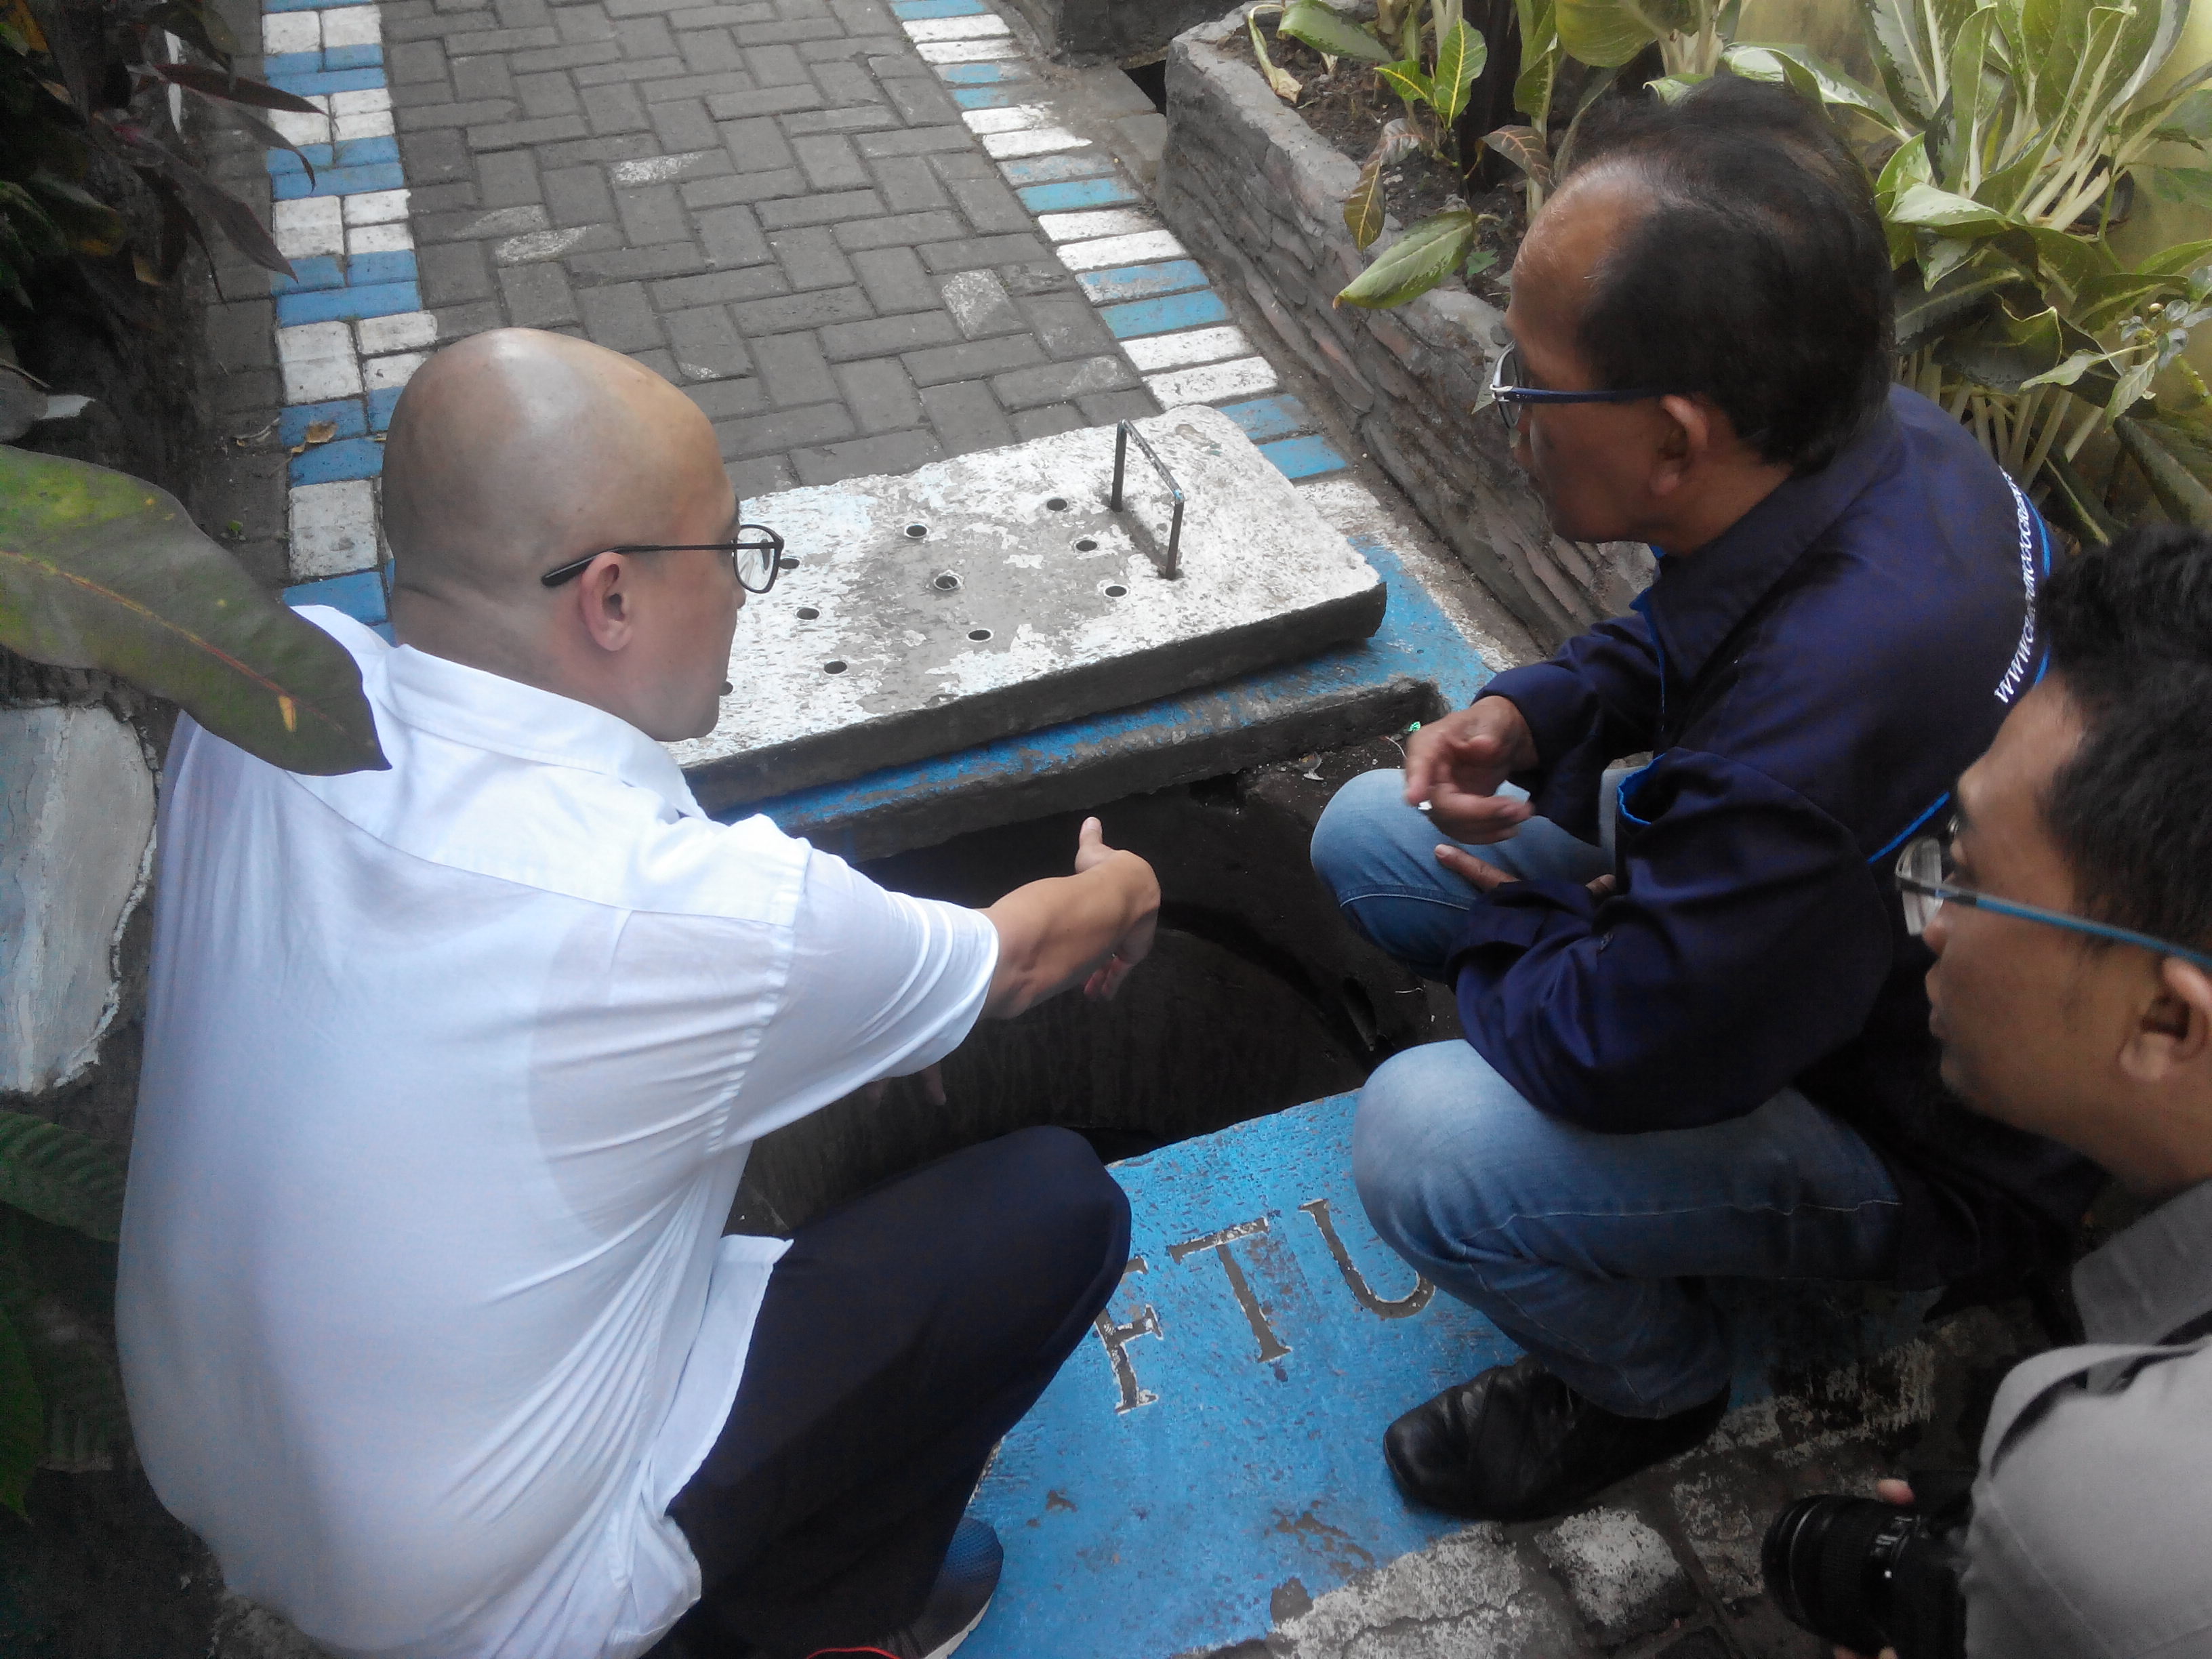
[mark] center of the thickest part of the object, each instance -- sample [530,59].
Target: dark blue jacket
[1812,682]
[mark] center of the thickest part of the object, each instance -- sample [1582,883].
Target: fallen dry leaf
[321,432]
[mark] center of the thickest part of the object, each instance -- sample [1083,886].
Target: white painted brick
[361,102]
[1013,118]
[301,128]
[956,28]
[395,237]
[410,331]
[1200,345]
[370,124]
[333,529]
[1121,250]
[319,362]
[967,52]
[381,373]
[353,26]
[308,225]
[1103,222]
[1213,382]
[1039,141]
[291,31]
[375,207]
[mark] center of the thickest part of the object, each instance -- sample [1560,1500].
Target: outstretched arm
[1088,929]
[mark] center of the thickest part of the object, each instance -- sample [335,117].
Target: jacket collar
[468,706]
[1699,597]
[2156,1277]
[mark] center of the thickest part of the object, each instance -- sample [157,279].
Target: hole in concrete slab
[916,532]
[1056,504]
[833,667]
[1151,80]
[807,613]
[944,581]
[1088,545]
[1115,590]
[978,633]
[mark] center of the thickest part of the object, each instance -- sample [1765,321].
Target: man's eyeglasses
[1507,393]
[758,558]
[1924,884]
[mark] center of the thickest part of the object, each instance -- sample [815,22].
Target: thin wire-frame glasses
[1507,394]
[758,561]
[1924,886]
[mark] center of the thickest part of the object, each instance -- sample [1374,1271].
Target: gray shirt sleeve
[2092,1532]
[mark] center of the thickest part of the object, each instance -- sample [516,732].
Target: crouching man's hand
[1088,929]
[1453,767]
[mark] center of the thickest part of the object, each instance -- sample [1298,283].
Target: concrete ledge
[1245,182]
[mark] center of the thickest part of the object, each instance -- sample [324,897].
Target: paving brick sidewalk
[776,203]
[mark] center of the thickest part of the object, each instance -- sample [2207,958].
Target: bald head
[516,451]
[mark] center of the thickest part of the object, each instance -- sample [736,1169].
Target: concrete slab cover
[1218,1437]
[76,829]
[997,594]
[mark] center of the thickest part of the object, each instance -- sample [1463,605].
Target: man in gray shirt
[2070,910]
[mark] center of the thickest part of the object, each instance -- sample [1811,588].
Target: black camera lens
[1827,1563]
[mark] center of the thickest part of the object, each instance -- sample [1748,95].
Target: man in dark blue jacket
[1696,1040]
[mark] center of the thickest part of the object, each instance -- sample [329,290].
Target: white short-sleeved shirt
[450,1074]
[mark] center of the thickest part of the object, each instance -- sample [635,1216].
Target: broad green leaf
[1974,95]
[2073,261]
[1525,149]
[1330,30]
[1362,209]
[2191,187]
[23,1419]
[1414,263]
[1831,87]
[99,569]
[2108,299]
[1906,166]
[1924,314]
[1673,88]
[1604,33]
[1541,52]
[2003,352]
[60,1176]
[2189,120]
[1924,207]
[2180,468]
[1897,39]
[2133,386]
[1407,80]
[1461,55]
[2178,260]
[2068,372]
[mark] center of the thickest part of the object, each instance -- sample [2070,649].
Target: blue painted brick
[342,458]
[366,152]
[344,413]
[1304,458]
[342,181]
[364,270]
[991,97]
[376,299]
[367,55]
[380,405]
[912,11]
[1042,169]
[1110,191]
[1141,281]
[1270,417]
[360,595]
[282,162]
[351,80]
[982,74]
[290,63]
[321,272]
[1164,316]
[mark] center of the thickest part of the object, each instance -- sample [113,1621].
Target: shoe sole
[958,1637]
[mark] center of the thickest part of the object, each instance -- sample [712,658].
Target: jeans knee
[1348,826]
[1430,1142]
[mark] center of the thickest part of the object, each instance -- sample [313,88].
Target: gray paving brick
[1068,327]
[482,76]
[644,37]
[809,258]
[823,210]
[915,141]
[816,310]
[1039,277]
[894,452]
[545,95]
[907,184]
[764,100]
[879,394]
[1104,408]
[864,117]
[425,117]
[880,336]
[247,391]
[616,108]
[413,62]
[745,187]
[776,433]
[579,23]
[976,357]
[894,279]
[756,146]
[990,207]
[982,251]
[1026,388]
[581,152]
[830,162]
[625,264]
[705,345]
[899,230]
[892,61]
[522,13]
[503,40]
[475,222]
[722,400]
[434,158]
[709,51]
[721,17]
[619,317]
[963,164]
[847,83]
[966,416]
[762,35]
[536,246]
[683,124]
[538,295]
[764,476]
[651,214]
[639,71]
[696,85]
[1048,421]
[978,301]
[923,103]
[504,181]
[578,196]
[452,271]
[714,287]
[524,135]
[567,57]
[864,16]
[240,335]
[731,236]
[458,322]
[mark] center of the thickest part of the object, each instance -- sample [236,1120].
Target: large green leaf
[1539,60]
[1975,94]
[1461,55]
[1328,30]
[1604,33]
[1924,314]
[1414,263]
[60,1176]
[2177,461]
[1798,68]
[1924,207]
[22,1419]
[1407,80]
[99,569]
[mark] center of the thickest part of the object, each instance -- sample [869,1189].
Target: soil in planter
[1348,109]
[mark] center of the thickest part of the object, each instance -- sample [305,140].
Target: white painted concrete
[333,528]
[1153,352]
[967,51]
[406,331]
[308,226]
[1214,381]
[375,207]
[1120,249]
[319,362]
[1038,140]
[1014,118]
[1102,222]
[956,28]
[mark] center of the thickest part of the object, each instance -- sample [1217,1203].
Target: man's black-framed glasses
[756,557]
[1508,394]
[1925,885]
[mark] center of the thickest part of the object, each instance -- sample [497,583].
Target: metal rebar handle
[1123,433]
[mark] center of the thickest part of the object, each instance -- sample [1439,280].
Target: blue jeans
[1584,1248]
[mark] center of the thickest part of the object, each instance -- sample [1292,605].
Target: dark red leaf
[232,88]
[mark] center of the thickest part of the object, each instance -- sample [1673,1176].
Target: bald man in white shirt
[428,1324]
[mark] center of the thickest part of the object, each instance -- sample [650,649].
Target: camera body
[1871,1574]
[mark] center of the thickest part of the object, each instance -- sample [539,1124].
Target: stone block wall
[1245,182]
[1125,31]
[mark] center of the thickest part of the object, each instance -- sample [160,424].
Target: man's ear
[606,602]
[2174,1032]
[1686,440]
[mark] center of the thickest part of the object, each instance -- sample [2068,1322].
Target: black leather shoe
[1517,1444]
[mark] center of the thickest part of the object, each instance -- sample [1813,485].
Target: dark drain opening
[1151,80]
[1257,997]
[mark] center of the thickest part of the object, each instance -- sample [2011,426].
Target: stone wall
[1125,31]
[1247,184]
